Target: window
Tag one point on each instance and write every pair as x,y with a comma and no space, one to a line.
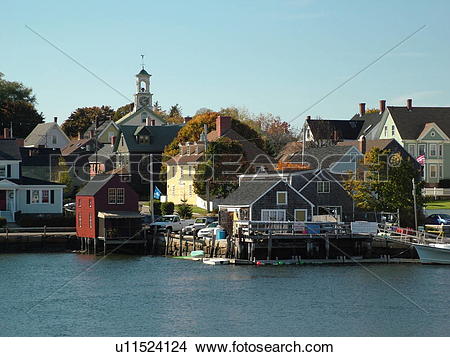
189,171
433,171
190,190
120,196
273,215
412,150
90,203
90,220
281,198
323,186
300,215
153,122
144,139
432,149
45,196
181,172
385,130
393,130
34,196
440,150
111,196
432,133
54,139
79,220
2,170
422,149
441,171
79,202
144,118
173,190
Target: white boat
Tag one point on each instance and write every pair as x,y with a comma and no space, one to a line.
437,253
216,261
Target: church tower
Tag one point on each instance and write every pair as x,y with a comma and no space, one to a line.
143,97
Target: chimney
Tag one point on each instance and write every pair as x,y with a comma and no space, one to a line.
362,144
6,133
79,135
55,119
113,140
409,104
362,109
186,119
223,124
148,121
382,106
308,117
91,134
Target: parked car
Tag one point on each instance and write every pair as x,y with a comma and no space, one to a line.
209,231
170,223
199,223
70,207
438,219
147,219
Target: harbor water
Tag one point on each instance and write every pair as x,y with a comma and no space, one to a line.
80,295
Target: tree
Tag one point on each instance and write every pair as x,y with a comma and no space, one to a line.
15,92
17,109
224,160
64,176
122,111
21,116
184,210
386,185
167,208
175,116
82,118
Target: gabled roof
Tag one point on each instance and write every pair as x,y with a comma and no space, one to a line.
410,123
329,129
74,145
322,157
369,122
95,185
370,144
141,109
9,150
144,72
248,192
39,131
103,154
160,137
29,181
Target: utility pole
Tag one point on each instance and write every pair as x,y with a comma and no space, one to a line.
303,144
415,204
204,138
151,188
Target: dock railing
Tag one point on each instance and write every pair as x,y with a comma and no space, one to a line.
408,235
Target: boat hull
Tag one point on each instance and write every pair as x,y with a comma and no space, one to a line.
433,255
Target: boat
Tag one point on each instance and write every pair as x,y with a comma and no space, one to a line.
216,261
436,253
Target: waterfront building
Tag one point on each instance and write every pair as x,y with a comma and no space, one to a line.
47,135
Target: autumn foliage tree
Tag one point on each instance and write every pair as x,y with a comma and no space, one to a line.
80,120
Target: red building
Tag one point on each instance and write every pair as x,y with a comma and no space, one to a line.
107,207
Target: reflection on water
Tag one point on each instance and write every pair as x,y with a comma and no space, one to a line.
79,295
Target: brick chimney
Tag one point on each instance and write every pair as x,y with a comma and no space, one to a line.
223,124
91,134
55,119
186,119
308,117
113,140
409,104
362,109
6,133
382,106
362,144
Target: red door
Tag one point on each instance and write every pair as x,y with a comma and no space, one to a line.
2,200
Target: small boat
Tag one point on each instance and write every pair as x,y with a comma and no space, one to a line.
216,261
437,253
197,253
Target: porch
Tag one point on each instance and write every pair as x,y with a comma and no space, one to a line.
8,204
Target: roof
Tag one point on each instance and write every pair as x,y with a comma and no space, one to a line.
369,121
74,145
29,181
326,129
325,156
9,150
290,149
184,159
160,137
370,144
410,123
32,156
251,150
100,127
119,214
103,154
95,185
248,192
39,131
144,72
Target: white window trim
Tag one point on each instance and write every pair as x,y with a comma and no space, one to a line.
273,210
436,171
40,197
441,171
431,150
112,202
286,200
413,151
323,183
300,209
117,196
424,151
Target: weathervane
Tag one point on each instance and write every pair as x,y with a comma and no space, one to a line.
142,56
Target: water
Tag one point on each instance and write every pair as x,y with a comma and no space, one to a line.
54,295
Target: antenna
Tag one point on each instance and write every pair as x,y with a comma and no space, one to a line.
142,60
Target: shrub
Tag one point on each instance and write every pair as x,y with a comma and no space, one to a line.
445,183
167,208
49,220
184,210
2,222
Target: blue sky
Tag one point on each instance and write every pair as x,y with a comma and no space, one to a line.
268,56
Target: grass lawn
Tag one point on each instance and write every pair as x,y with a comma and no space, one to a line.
444,204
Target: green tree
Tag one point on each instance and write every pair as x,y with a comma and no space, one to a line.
224,158
384,183
184,210
175,115
82,118
63,175
122,111
21,116
167,208
15,92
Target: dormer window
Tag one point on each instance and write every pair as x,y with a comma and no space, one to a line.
143,139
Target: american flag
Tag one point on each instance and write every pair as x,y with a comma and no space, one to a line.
421,160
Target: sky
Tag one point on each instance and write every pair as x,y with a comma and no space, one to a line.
267,56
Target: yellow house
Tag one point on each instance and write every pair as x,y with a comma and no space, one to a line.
180,174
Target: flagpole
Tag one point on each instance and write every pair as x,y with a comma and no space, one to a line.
151,188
